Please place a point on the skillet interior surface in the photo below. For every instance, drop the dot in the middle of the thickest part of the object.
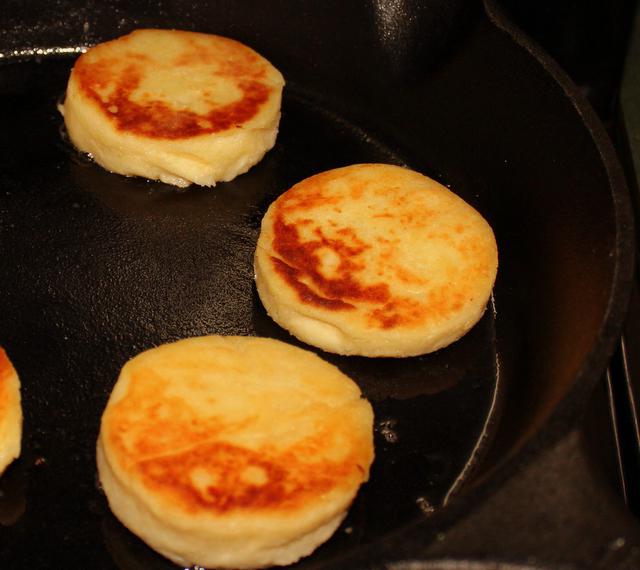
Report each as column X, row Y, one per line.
column 97, row 267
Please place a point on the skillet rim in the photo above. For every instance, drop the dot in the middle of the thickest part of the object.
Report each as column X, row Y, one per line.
column 572, row 405
column 403, row 545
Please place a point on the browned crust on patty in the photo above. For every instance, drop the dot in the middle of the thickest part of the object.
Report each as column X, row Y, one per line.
column 159, row 439
column 297, row 258
column 110, row 82
column 6, row 372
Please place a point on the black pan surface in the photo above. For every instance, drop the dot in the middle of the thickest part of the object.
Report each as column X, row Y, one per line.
column 98, row 267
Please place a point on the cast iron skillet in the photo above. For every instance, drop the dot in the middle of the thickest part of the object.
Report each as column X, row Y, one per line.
column 97, row 267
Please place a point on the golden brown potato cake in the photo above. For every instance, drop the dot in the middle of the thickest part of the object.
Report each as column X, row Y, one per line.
column 233, row 452
column 375, row 260
column 10, row 412
column 176, row 106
